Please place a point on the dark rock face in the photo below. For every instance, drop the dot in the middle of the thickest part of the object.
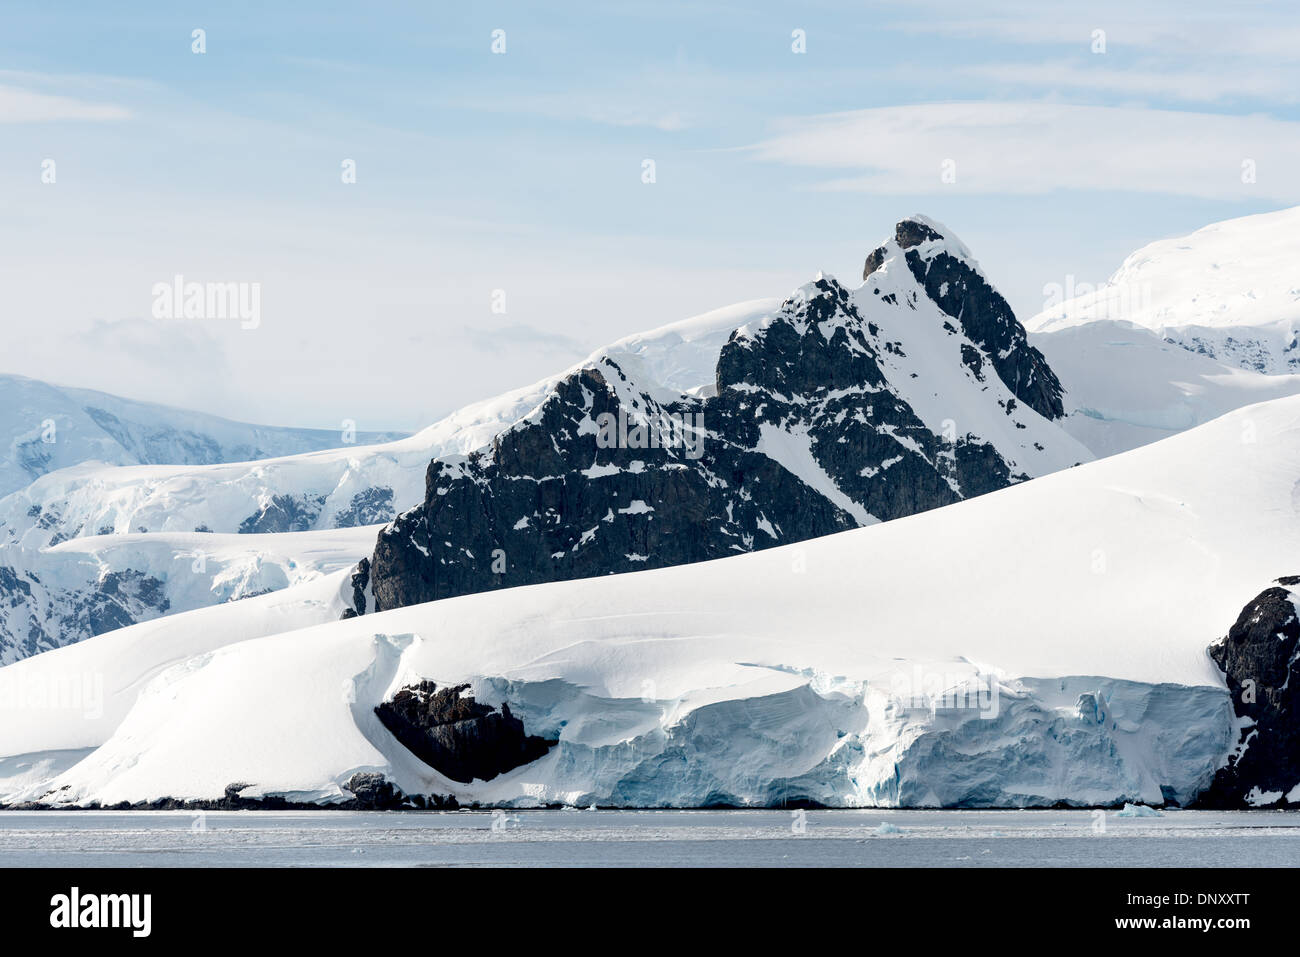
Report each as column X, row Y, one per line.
column 20, row 629
column 369, row 507
column 560, row 496
column 456, row 735
column 360, row 581
column 910, row 232
column 373, row 791
column 120, row 597
column 33, row 457
column 284, row 513
column 985, row 317
column 35, row 617
column 1260, row 662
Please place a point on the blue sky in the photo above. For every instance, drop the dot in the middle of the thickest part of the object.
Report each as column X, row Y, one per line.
column 522, row 172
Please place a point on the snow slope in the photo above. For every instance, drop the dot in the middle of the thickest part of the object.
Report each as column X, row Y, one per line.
column 1086, row 598
column 44, row 427
column 682, row 357
column 1126, row 387
column 1228, row 291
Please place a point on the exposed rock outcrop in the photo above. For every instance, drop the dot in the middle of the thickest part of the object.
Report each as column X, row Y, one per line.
column 368, row 507
column 37, row 615
column 457, row 736
column 284, row 513
column 1260, row 658
column 373, row 791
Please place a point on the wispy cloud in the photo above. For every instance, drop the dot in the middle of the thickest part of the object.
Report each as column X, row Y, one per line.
column 1019, row 148
column 1191, row 86
column 1169, row 27
column 18, row 105
column 518, row 336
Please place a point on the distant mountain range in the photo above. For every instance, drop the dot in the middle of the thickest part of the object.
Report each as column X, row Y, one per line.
column 46, row 427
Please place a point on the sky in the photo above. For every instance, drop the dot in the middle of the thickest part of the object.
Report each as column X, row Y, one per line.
column 504, row 222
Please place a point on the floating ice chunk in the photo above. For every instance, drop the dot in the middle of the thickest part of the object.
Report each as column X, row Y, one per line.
column 1138, row 810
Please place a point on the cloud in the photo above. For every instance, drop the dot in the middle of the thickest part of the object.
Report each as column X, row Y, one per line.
column 26, row 106
column 1169, row 27
column 176, row 362
column 153, row 342
column 1028, row 148
column 1200, row 86
column 517, row 337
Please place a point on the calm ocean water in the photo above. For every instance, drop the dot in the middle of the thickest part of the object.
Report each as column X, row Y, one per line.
column 863, row 838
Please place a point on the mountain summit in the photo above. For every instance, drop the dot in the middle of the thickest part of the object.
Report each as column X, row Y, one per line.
column 952, row 279
column 841, row 408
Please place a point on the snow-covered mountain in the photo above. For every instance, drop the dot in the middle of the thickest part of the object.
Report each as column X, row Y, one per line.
column 1186, row 330
column 55, row 596
column 339, row 487
column 840, row 408
column 795, row 419
column 109, row 574
column 1229, row 291
column 973, row 382
column 92, row 547
column 45, row 427
column 1042, row 643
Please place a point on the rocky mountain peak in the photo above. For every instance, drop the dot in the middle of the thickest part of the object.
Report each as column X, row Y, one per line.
column 912, row 232
column 837, row 409
column 951, row 278
column 915, row 230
